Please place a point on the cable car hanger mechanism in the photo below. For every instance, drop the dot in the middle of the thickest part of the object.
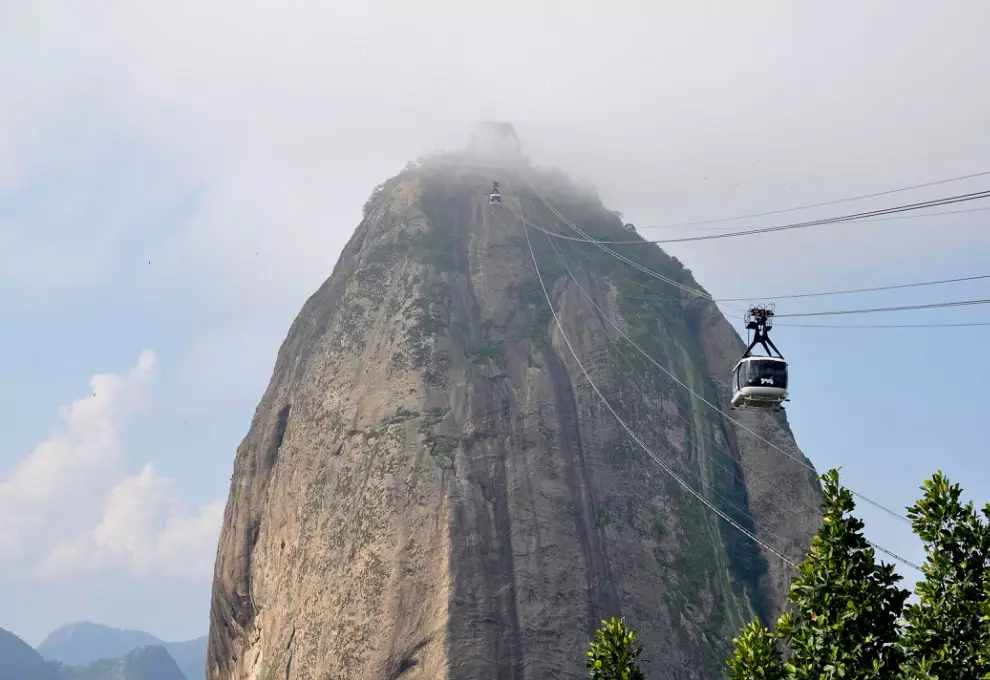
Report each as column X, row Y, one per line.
column 760, row 321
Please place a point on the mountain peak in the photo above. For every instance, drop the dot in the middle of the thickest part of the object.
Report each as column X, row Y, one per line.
column 495, row 140
column 433, row 486
column 83, row 642
column 18, row 661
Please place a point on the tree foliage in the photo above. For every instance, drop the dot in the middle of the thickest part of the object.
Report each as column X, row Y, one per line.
column 947, row 632
column 613, row 652
column 848, row 617
column 376, row 194
column 755, row 655
column 846, row 606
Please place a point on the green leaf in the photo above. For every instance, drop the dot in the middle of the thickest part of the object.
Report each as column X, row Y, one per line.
column 612, row 653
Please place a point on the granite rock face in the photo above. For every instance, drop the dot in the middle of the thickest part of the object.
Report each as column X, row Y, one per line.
column 431, row 487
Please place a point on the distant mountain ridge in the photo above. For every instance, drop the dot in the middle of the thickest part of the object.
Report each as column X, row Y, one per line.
column 143, row 663
column 19, row 661
column 85, row 642
column 190, row 656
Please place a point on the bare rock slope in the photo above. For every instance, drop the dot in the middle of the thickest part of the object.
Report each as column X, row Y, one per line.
column 431, row 487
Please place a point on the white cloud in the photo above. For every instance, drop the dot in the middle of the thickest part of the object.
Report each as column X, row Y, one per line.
column 63, row 515
column 144, row 526
column 58, row 473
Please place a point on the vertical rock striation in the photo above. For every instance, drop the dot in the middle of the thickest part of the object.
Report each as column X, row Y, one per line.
column 431, row 487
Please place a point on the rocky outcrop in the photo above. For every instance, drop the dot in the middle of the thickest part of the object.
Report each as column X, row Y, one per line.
column 85, row 642
column 143, row 663
column 431, row 487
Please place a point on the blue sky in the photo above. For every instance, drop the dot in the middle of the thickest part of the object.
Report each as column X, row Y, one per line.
column 177, row 178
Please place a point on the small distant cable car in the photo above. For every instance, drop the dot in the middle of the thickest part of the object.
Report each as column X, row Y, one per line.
column 495, row 196
column 760, row 382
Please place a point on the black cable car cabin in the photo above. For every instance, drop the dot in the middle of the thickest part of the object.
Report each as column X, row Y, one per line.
column 495, row 196
column 760, row 381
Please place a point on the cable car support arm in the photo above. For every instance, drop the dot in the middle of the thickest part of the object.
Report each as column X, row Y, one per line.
column 760, row 320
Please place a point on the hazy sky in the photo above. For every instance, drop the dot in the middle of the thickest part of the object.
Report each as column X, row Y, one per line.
column 177, row 177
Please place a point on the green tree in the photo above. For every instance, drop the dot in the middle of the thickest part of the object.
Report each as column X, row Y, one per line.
column 613, row 652
column 948, row 631
column 843, row 622
column 755, row 655
column 848, row 617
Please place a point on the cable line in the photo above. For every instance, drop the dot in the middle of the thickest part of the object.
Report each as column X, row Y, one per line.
column 632, row 434
column 874, row 219
column 837, row 292
column 587, row 238
column 526, row 223
column 871, row 310
column 687, row 387
column 896, row 325
column 699, row 435
column 619, row 256
column 707, row 296
column 822, row 204
column 946, row 200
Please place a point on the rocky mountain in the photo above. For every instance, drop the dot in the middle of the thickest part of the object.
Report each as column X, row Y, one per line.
column 143, row 663
column 19, row 661
column 85, row 642
column 190, row 657
column 431, row 486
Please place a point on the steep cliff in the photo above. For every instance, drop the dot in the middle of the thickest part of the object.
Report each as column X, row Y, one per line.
column 431, row 488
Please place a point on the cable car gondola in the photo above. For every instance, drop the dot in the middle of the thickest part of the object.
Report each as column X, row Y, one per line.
column 495, row 196
column 760, row 382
